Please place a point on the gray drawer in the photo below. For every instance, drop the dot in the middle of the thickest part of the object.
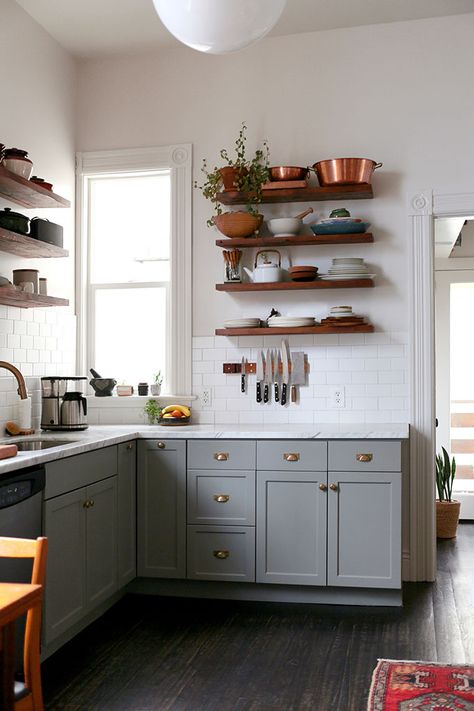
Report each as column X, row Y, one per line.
column 221, row 553
column 221, row 499
column 221, row 454
column 292, row 455
column 365, row 455
column 80, row 470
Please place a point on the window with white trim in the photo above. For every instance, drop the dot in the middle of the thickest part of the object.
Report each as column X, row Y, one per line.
column 134, row 265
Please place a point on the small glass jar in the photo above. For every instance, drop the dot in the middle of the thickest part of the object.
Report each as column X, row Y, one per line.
column 143, row 388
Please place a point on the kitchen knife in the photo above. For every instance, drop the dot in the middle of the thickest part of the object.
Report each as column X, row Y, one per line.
column 242, row 375
column 285, row 357
column 276, row 373
column 298, row 375
column 268, row 375
column 259, row 376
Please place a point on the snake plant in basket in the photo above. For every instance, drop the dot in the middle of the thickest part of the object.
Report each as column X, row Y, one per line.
column 447, row 510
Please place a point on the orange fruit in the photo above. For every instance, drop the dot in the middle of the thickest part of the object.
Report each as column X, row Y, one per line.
column 176, row 413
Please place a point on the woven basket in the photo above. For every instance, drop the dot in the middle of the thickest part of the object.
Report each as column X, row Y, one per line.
column 447, row 518
column 238, row 224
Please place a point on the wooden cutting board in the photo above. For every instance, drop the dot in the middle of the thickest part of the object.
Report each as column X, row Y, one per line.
column 8, row 450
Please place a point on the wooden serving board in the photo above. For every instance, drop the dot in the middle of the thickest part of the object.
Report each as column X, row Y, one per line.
column 8, row 450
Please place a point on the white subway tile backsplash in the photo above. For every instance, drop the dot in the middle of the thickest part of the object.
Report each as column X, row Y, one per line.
column 214, row 354
column 13, row 341
column 6, row 326
column 391, row 351
column 392, row 376
column 197, row 354
column 20, row 327
column 32, row 328
column 204, row 366
column 203, row 341
column 14, row 313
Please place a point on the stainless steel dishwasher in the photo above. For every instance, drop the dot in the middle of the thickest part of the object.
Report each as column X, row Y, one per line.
column 21, row 505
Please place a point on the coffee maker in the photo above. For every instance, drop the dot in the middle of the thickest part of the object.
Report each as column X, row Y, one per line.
column 63, row 405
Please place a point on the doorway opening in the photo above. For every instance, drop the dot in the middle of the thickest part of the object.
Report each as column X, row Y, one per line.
column 454, row 316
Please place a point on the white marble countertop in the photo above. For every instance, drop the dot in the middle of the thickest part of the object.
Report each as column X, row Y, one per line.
column 99, row 436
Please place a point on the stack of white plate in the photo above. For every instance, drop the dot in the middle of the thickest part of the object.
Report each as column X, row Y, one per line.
column 347, row 268
column 340, row 311
column 242, row 323
column 290, row 321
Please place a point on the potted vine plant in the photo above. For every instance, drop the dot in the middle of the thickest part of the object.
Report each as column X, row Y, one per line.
column 153, row 411
column 241, row 174
column 447, row 510
column 155, row 386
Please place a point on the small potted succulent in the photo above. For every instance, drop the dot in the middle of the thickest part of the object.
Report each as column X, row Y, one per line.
column 241, row 174
column 155, row 386
column 153, row 411
column 447, row 509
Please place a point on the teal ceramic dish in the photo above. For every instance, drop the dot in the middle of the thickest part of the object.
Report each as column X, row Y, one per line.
column 342, row 228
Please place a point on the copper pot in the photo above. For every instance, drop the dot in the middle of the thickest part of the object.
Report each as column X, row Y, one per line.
column 287, row 172
column 345, row 171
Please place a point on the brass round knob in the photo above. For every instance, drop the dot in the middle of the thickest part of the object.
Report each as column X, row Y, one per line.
column 130, row 445
column 323, row 487
column 333, row 487
column 161, row 445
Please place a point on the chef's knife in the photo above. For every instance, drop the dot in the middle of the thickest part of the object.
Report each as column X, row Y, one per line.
column 285, row 356
column 268, row 375
column 259, row 376
column 298, row 375
column 242, row 375
column 276, row 373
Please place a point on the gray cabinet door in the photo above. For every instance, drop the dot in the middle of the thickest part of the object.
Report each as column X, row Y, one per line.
column 364, row 529
column 291, row 528
column 162, row 509
column 127, row 512
column 101, row 541
column 221, row 498
column 221, row 553
column 65, row 590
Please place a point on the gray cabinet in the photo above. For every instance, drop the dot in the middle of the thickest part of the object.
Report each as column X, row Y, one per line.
column 127, row 511
column 291, row 512
column 226, row 498
column 162, row 508
column 221, row 553
column 82, row 554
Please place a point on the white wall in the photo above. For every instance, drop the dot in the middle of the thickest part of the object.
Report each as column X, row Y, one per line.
column 397, row 93
column 37, row 113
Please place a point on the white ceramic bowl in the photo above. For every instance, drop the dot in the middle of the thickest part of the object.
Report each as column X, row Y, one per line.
column 280, row 226
column 19, row 167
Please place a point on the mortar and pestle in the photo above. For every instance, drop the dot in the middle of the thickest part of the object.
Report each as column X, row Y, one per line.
column 102, row 387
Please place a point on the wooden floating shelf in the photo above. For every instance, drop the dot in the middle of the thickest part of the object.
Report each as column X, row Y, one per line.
column 363, row 191
column 23, row 300
column 295, row 286
column 23, row 192
column 294, row 241
column 24, row 246
column 364, row 328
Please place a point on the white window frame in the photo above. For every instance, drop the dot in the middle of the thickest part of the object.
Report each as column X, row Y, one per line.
column 177, row 159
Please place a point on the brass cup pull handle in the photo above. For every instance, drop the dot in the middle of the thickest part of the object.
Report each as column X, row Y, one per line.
column 291, row 456
column 161, row 445
column 222, row 555
column 323, row 487
column 91, row 502
column 364, row 457
column 86, row 504
column 221, row 498
column 221, row 456
column 333, row 487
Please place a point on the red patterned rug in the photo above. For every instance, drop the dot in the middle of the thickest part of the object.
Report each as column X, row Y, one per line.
column 421, row 686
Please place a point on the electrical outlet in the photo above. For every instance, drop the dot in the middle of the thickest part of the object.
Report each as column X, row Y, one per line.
column 338, row 397
column 206, row 398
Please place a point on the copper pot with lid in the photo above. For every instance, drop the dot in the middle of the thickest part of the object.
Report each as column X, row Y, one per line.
column 345, row 171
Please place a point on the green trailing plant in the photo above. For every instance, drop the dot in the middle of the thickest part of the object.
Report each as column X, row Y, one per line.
column 158, row 378
column 445, row 473
column 251, row 174
column 153, row 411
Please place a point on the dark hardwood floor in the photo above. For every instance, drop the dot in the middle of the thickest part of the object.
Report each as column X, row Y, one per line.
column 154, row 654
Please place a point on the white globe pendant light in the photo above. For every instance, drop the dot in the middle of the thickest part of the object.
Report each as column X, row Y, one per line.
column 219, row 26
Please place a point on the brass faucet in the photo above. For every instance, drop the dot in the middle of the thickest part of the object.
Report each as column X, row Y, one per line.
column 19, row 378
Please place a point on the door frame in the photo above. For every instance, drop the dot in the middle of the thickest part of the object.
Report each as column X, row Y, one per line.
column 423, row 207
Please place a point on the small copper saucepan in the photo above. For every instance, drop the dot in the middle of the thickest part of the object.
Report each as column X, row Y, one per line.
column 287, row 172
column 345, row 171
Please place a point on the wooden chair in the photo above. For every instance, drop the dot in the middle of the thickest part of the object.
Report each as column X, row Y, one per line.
column 28, row 694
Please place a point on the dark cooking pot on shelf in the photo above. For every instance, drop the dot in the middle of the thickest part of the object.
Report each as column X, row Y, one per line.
column 14, row 221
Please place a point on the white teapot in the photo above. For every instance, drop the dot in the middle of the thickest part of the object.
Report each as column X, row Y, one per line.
column 267, row 271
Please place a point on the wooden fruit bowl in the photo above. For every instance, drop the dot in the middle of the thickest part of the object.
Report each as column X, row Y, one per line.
column 170, row 421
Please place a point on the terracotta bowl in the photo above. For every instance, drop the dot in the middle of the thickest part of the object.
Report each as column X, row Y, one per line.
column 238, row 224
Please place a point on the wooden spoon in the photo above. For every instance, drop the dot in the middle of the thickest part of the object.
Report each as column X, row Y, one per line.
column 303, row 214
